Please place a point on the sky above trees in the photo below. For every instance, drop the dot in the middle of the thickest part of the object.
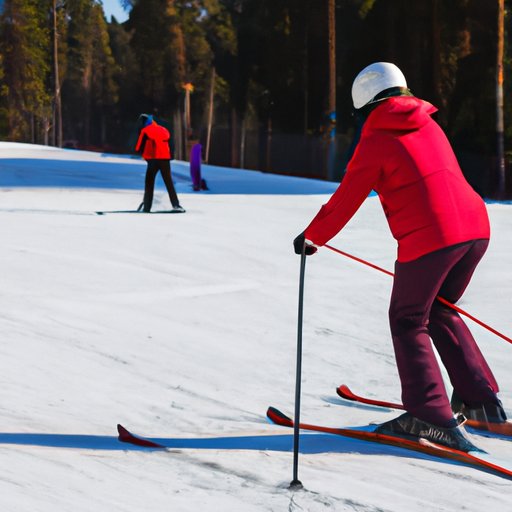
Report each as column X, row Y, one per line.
column 114, row 8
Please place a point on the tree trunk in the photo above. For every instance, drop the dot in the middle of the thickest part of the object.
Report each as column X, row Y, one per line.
column 235, row 161
column 57, row 128
column 242, row 143
column 305, row 78
column 499, row 100
column 436, row 61
column 332, row 91
column 178, row 135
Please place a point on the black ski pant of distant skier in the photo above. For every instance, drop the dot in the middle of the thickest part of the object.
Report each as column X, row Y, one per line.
column 416, row 317
column 164, row 166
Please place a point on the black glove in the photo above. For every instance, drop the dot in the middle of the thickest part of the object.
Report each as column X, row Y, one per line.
column 299, row 243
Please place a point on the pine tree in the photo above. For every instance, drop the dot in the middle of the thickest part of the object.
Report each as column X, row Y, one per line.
column 89, row 87
column 24, row 44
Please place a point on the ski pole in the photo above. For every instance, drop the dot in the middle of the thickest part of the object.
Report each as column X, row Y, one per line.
column 296, row 483
column 440, row 299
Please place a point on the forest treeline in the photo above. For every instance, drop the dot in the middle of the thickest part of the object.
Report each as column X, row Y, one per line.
column 249, row 79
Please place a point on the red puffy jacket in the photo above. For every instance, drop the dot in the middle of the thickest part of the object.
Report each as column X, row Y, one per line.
column 404, row 156
column 153, row 142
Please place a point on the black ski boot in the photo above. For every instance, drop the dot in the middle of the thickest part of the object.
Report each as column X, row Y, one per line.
column 489, row 412
column 142, row 208
column 410, row 427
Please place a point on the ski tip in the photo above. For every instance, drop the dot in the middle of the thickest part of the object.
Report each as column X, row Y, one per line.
column 125, row 436
column 121, row 430
column 345, row 392
column 278, row 417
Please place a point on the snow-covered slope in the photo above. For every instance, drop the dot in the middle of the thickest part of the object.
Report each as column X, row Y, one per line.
column 183, row 328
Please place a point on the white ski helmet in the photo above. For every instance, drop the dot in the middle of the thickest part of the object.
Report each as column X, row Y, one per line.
column 374, row 79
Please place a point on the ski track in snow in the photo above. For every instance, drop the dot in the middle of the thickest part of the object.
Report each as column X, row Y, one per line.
column 183, row 328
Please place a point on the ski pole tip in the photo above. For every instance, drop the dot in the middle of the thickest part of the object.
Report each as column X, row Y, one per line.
column 296, row 485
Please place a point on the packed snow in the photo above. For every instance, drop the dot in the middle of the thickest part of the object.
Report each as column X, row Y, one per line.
column 183, row 328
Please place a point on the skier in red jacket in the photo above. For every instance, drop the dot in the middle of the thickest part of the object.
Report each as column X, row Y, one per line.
column 153, row 144
column 442, row 229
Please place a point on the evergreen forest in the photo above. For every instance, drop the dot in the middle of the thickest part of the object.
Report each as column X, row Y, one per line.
column 261, row 84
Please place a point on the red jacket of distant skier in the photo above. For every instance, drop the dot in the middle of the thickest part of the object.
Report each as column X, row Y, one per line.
column 153, row 142
column 404, row 156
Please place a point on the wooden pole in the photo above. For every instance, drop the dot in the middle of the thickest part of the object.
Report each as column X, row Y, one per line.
column 210, row 116
column 187, row 126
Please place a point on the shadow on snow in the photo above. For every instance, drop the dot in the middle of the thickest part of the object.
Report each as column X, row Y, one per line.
column 129, row 175
column 310, row 443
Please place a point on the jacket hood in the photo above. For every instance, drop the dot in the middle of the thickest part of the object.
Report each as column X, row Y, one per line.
column 401, row 113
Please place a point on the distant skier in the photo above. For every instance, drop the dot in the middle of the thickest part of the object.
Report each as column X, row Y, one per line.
column 198, row 183
column 153, row 144
column 442, row 229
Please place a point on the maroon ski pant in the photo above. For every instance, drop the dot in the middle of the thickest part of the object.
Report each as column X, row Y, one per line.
column 416, row 318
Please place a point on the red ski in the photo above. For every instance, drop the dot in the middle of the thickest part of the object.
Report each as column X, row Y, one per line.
column 504, row 429
column 126, row 436
column 345, row 392
column 422, row 445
